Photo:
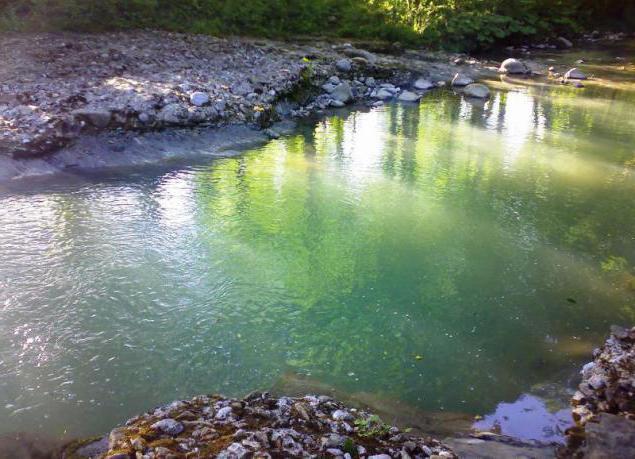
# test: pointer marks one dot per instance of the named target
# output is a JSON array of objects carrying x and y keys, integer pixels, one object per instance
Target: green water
[{"x": 448, "y": 256}]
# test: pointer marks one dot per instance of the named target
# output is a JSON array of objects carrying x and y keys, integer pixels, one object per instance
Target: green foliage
[
  {"x": 453, "y": 24},
  {"x": 371, "y": 426}
]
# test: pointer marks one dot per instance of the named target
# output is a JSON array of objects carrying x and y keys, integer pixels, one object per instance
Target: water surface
[{"x": 451, "y": 256}]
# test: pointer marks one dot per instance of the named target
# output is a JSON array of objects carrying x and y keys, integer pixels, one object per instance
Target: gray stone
[
  {"x": 329, "y": 87},
  {"x": 199, "y": 99},
  {"x": 333, "y": 441},
  {"x": 383, "y": 94},
  {"x": 370, "y": 81},
  {"x": 574, "y": 74},
  {"x": 94, "y": 449},
  {"x": 355, "y": 52},
  {"x": 423, "y": 84},
  {"x": 344, "y": 65},
  {"x": 334, "y": 80},
  {"x": 99, "y": 118},
  {"x": 407, "y": 96},
  {"x": 271, "y": 134},
  {"x": 224, "y": 413},
  {"x": 610, "y": 436},
  {"x": 477, "y": 90},
  {"x": 341, "y": 415},
  {"x": 173, "y": 114},
  {"x": 337, "y": 104},
  {"x": 513, "y": 66},
  {"x": 168, "y": 426},
  {"x": 242, "y": 89},
  {"x": 234, "y": 451},
  {"x": 379, "y": 456},
  {"x": 461, "y": 80},
  {"x": 342, "y": 92}
]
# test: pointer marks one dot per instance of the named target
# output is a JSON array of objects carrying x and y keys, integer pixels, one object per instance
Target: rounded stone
[
  {"x": 575, "y": 74},
  {"x": 476, "y": 90},
  {"x": 513, "y": 66},
  {"x": 199, "y": 99}
]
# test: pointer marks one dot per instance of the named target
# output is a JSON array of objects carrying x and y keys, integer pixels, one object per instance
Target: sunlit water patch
[{"x": 449, "y": 257}]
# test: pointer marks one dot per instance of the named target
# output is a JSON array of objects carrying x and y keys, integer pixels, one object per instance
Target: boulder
[
  {"x": 344, "y": 65},
  {"x": 574, "y": 74},
  {"x": 407, "y": 96},
  {"x": 461, "y": 80},
  {"x": 199, "y": 99},
  {"x": 513, "y": 66},
  {"x": 342, "y": 92},
  {"x": 477, "y": 90},
  {"x": 423, "y": 84}
]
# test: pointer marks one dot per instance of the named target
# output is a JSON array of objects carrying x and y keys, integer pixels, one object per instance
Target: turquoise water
[{"x": 449, "y": 256}]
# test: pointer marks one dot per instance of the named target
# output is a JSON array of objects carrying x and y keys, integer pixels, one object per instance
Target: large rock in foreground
[
  {"x": 261, "y": 426},
  {"x": 513, "y": 67},
  {"x": 604, "y": 405}
]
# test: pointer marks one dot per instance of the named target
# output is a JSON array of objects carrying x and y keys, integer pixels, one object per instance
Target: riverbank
[
  {"x": 59, "y": 88},
  {"x": 259, "y": 426}
]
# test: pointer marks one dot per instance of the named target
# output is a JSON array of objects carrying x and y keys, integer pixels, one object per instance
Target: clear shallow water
[{"x": 449, "y": 256}]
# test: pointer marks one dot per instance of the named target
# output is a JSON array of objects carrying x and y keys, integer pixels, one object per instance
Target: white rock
[
  {"x": 513, "y": 66},
  {"x": 341, "y": 415},
  {"x": 199, "y": 99}
]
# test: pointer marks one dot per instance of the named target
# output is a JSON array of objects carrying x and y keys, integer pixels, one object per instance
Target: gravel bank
[
  {"x": 56, "y": 87},
  {"x": 259, "y": 426}
]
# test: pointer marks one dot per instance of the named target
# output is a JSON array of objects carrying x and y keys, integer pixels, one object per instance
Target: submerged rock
[
  {"x": 477, "y": 90},
  {"x": 407, "y": 96}
]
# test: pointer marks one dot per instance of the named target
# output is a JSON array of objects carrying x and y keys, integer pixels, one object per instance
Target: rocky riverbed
[{"x": 258, "y": 426}]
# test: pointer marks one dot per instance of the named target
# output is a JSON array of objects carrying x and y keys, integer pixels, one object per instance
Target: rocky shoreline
[
  {"x": 604, "y": 405},
  {"x": 259, "y": 426},
  {"x": 59, "y": 87}
]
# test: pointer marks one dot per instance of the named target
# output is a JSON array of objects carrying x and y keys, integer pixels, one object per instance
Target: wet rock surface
[
  {"x": 604, "y": 405},
  {"x": 259, "y": 426}
]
